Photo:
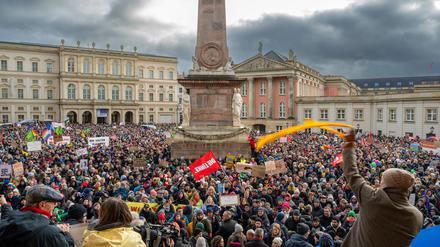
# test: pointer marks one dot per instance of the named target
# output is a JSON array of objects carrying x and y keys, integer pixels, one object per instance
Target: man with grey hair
[
  {"x": 258, "y": 241},
  {"x": 386, "y": 218},
  {"x": 32, "y": 226}
]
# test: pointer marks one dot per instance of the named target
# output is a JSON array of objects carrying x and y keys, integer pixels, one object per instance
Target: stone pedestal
[
  {"x": 193, "y": 142},
  {"x": 211, "y": 120}
]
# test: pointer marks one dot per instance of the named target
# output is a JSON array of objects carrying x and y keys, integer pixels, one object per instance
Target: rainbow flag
[
  {"x": 30, "y": 136},
  {"x": 34, "y": 132},
  {"x": 46, "y": 134}
]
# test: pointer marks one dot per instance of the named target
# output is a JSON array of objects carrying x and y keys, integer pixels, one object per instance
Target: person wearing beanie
[
  {"x": 280, "y": 220},
  {"x": 299, "y": 239},
  {"x": 76, "y": 214},
  {"x": 386, "y": 206},
  {"x": 237, "y": 238}
]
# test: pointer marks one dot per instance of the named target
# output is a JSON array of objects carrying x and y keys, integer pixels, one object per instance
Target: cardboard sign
[
  {"x": 59, "y": 140},
  {"x": 139, "y": 162},
  {"x": 5, "y": 171},
  {"x": 283, "y": 139},
  {"x": 258, "y": 171},
  {"x": 270, "y": 165},
  {"x": 281, "y": 166},
  {"x": 81, "y": 152},
  {"x": 18, "y": 169},
  {"x": 243, "y": 167},
  {"x": 34, "y": 146},
  {"x": 93, "y": 141},
  {"x": 229, "y": 200},
  {"x": 84, "y": 164}
]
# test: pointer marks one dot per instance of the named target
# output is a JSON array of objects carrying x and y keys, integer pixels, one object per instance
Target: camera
[{"x": 157, "y": 235}]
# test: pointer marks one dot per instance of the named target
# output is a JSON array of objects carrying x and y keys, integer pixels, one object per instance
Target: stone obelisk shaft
[{"x": 211, "y": 50}]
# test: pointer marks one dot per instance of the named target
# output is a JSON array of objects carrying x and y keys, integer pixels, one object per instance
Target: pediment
[{"x": 260, "y": 63}]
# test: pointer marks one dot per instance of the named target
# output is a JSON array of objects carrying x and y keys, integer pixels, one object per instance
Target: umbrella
[{"x": 427, "y": 237}]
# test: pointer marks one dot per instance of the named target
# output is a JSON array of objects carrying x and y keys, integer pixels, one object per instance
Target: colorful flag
[
  {"x": 338, "y": 160},
  {"x": 46, "y": 134},
  {"x": 204, "y": 166},
  {"x": 34, "y": 132},
  {"x": 59, "y": 131},
  {"x": 30, "y": 136}
]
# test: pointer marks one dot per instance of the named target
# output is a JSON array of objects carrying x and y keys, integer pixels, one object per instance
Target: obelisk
[
  {"x": 212, "y": 50},
  {"x": 209, "y": 116}
]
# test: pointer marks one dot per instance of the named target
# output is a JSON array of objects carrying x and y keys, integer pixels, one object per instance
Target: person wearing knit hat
[
  {"x": 386, "y": 206},
  {"x": 300, "y": 237}
]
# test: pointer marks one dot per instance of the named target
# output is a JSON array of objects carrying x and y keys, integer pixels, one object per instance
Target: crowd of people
[{"x": 312, "y": 204}]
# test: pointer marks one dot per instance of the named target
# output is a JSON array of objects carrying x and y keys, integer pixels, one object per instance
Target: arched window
[
  {"x": 115, "y": 67},
  {"x": 282, "y": 110},
  {"x": 115, "y": 93},
  {"x": 244, "y": 111},
  {"x": 101, "y": 92},
  {"x": 86, "y": 92},
  {"x": 71, "y": 92},
  {"x": 128, "y": 69},
  {"x": 129, "y": 93},
  {"x": 71, "y": 65},
  {"x": 262, "y": 110}
]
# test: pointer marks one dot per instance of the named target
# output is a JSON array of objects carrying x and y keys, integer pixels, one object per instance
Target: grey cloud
[{"x": 367, "y": 39}]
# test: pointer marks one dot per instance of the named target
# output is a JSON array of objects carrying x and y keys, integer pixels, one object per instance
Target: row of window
[
  {"x": 20, "y": 93},
  {"x": 21, "y": 117},
  {"x": 71, "y": 93},
  {"x": 19, "y": 66},
  {"x": 262, "y": 110},
  {"x": 281, "y": 88},
  {"x": 87, "y": 68},
  {"x": 431, "y": 114}
]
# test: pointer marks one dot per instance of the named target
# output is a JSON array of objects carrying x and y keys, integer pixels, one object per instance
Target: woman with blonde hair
[
  {"x": 113, "y": 227},
  {"x": 196, "y": 201}
]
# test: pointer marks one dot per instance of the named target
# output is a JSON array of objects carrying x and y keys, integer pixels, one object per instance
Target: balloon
[{"x": 307, "y": 125}]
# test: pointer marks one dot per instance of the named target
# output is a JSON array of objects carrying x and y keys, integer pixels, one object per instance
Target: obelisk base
[{"x": 192, "y": 143}]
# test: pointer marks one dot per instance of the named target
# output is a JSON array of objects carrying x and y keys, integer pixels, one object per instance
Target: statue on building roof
[{"x": 260, "y": 47}]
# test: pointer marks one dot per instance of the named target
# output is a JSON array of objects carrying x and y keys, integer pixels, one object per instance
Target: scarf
[{"x": 37, "y": 211}]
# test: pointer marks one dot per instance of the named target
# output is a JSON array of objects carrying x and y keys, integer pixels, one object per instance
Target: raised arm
[{"x": 364, "y": 192}]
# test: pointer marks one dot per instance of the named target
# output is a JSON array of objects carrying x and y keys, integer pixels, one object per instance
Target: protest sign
[
  {"x": 281, "y": 166},
  {"x": 230, "y": 159},
  {"x": 93, "y": 141},
  {"x": 258, "y": 171},
  {"x": 133, "y": 149},
  {"x": 220, "y": 188},
  {"x": 77, "y": 231},
  {"x": 229, "y": 200},
  {"x": 283, "y": 139},
  {"x": 34, "y": 146},
  {"x": 243, "y": 167},
  {"x": 81, "y": 152},
  {"x": 59, "y": 140},
  {"x": 412, "y": 199},
  {"x": 139, "y": 162},
  {"x": 5, "y": 171},
  {"x": 84, "y": 164},
  {"x": 18, "y": 169},
  {"x": 56, "y": 125},
  {"x": 270, "y": 165},
  {"x": 167, "y": 134}
]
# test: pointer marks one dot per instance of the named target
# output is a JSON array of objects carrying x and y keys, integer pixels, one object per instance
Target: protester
[
  {"x": 258, "y": 241},
  {"x": 299, "y": 239},
  {"x": 163, "y": 191},
  {"x": 113, "y": 227},
  {"x": 386, "y": 218},
  {"x": 32, "y": 226}
]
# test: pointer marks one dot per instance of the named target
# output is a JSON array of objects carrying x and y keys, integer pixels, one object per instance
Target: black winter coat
[
  {"x": 226, "y": 229},
  {"x": 297, "y": 241},
  {"x": 24, "y": 229}
]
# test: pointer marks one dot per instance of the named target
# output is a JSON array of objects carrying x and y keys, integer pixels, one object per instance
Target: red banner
[
  {"x": 204, "y": 166},
  {"x": 338, "y": 160}
]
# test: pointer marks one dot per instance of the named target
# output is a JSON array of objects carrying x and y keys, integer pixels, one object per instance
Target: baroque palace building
[
  {"x": 86, "y": 85},
  {"x": 281, "y": 91}
]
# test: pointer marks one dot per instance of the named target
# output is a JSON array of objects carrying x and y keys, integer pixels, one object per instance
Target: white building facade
[{"x": 86, "y": 85}]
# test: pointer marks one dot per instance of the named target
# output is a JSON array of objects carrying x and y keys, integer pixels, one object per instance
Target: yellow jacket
[{"x": 121, "y": 236}]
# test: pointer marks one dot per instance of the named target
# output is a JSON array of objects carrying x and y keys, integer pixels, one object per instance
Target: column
[
  {"x": 270, "y": 96},
  {"x": 251, "y": 93},
  {"x": 291, "y": 100}
]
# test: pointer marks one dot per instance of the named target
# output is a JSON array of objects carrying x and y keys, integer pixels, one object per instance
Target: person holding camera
[
  {"x": 32, "y": 226},
  {"x": 113, "y": 227}
]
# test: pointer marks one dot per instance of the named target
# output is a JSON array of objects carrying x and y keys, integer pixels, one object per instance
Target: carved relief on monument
[
  {"x": 211, "y": 56},
  {"x": 261, "y": 64}
]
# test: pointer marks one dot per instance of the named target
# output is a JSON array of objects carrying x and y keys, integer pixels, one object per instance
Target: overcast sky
[{"x": 354, "y": 38}]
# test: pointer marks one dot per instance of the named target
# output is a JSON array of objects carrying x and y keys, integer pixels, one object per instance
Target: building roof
[
  {"x": 273, "y": 55},
  {"x": 97, "y": 49},
  {"x": 395, "y": 82}
]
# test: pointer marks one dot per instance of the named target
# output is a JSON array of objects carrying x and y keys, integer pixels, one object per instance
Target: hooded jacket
[
  {"x": 386, "y": 218},
  {"x": 110, "y": 235}
]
